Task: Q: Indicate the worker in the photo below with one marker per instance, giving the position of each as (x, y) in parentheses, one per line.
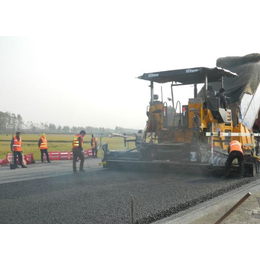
(222, 98)
(78, 152)
(96, 149)
(93, 143)
(16, 148)
(211, 92)
(138, 140)
(234, 151)
(43, 145)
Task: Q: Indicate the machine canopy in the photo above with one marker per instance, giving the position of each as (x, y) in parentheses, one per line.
(188, 76)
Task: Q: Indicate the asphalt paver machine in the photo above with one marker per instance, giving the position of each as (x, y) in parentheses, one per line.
(192, 136)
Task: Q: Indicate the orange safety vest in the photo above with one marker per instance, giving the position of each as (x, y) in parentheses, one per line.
(93, 140)
(235, 146)
(17, 145)
(75, 143)
(43, 144)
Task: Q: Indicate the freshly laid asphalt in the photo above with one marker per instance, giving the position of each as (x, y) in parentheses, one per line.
(51, 193)
(227, 205)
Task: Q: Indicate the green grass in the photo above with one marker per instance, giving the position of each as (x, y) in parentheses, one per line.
(116, 143)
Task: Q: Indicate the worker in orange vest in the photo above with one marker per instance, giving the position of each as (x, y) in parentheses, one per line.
(235, 150)
(93, 143)
(78, 152)
(16, 148)
(43, 145)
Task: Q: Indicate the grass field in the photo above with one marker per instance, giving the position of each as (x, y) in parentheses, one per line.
(32, 146)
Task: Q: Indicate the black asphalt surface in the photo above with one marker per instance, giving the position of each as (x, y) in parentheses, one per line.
(102, 196)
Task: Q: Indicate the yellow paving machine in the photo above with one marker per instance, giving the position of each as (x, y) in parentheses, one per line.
(195, 136)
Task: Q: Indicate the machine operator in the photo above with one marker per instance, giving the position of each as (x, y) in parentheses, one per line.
(222, 98)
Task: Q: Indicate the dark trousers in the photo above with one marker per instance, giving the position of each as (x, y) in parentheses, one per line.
(77, 153)
(19, 154)
(231, 157)
(94, 152)
(44, 151)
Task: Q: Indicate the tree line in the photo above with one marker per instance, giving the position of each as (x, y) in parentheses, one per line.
(10, 123)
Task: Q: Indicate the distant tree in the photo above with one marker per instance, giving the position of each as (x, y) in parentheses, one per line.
(9, 122)
(19, 122)
(32, 127)
(66, 129)
(52, 128)
(46, 127)
(59, 129)
(74, 130)
(3, 121)
(13, 122)
(42, 127)
(119, 129)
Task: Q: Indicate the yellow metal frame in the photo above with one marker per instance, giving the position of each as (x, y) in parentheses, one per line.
(201, 118)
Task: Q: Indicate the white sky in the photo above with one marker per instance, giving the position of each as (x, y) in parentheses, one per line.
(75, 62)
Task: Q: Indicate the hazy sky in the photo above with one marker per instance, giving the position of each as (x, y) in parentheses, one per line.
(75, 63)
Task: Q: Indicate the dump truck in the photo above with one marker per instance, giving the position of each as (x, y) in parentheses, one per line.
(195, 136)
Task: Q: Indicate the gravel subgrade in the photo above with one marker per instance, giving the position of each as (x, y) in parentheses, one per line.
(104, 196)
